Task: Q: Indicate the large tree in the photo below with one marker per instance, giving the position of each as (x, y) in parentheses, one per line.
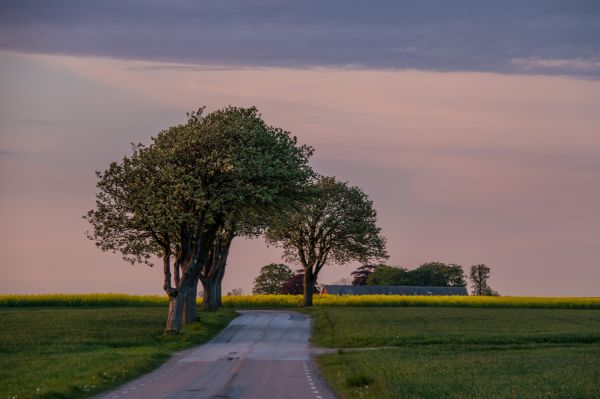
(186, 196)
(271, 278)
(336, 223)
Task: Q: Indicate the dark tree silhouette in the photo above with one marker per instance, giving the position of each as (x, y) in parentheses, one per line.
(361, 274)
(295, 284)
(479, 275)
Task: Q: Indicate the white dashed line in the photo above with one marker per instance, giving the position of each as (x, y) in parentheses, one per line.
(311, 384)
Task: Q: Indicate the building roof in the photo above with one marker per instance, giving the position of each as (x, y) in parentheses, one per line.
(392, 290)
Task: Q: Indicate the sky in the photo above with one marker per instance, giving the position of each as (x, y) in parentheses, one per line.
(473, 126)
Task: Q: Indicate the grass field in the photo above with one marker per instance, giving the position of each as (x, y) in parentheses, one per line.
(459, 353)
(73, 352)
(70, 346)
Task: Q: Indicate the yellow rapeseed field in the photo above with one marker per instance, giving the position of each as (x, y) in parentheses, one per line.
(287, 301)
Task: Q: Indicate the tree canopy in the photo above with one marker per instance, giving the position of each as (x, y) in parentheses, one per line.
(336, 223)
(188, 194)
(435, 274)
(360, 276)
(271, 278)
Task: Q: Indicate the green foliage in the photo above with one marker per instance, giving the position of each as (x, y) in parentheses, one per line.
(434, 274)
(389, 275)
(196, 187)
(359, 380)
(337, 327)
(75, 352)
(226, 167)
(457, 372)
(460, 353)
(271, 278)
(336, 223)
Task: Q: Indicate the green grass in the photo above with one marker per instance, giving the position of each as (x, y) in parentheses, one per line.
(466, 372)
(460, 352)
(365, 327)
(75, 352)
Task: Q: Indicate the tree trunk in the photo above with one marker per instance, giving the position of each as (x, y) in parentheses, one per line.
(181, 310)
(174, 315)
(190, 308)
(220, 286)
(210, 300)
(309, 286)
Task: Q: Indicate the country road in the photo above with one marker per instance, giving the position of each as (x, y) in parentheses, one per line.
(260, 354)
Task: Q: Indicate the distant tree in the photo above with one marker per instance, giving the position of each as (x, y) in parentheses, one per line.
(390, 275)
(335, 224)
(235, 292)
(295, 284)
(479, 275)
(433, 274)
(271, 278)
(438, 274)
(361, 274)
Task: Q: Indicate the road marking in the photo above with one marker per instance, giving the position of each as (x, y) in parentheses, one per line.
(311, 384)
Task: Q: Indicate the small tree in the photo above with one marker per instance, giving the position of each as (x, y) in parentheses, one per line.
(271, 278)
(361, 274)
(479, 275)
(235, 292)
(335, 224)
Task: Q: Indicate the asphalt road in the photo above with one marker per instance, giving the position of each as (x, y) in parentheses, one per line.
(261, 354)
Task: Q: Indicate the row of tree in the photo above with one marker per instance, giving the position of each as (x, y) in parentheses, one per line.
(433, 274)
(198, 185)
(277, 278)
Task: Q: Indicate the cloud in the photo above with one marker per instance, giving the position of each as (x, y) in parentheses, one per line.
(9, 153)
(576, 66)
(41, 123)
(507, 37)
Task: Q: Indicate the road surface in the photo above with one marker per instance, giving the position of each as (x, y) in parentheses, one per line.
(260, 354)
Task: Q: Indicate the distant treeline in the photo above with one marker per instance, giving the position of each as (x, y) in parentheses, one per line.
(433, 274)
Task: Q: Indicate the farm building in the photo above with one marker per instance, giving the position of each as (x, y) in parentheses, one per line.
(391, 290)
